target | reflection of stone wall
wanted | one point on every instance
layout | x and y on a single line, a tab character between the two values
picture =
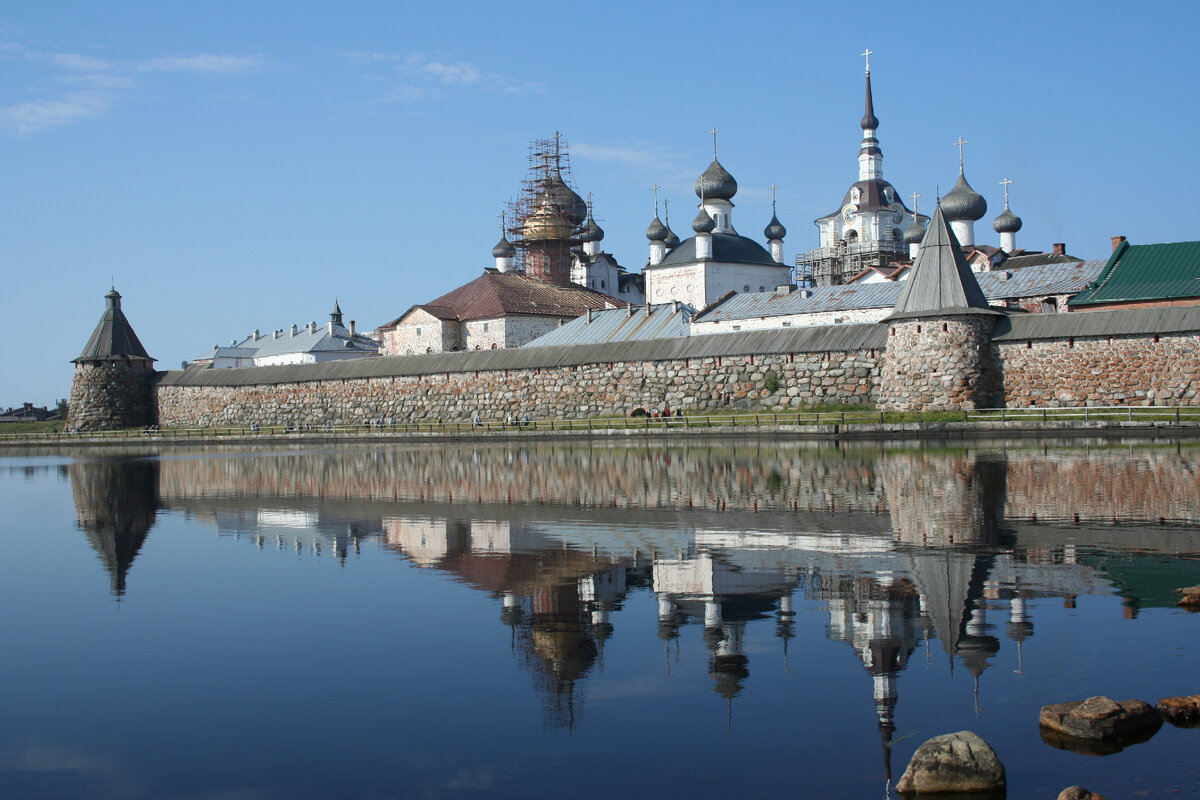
1101	485
749	477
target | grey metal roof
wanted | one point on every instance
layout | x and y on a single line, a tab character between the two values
664	321
1114	322
851	296
729	248
781	340
1042	279
940	281
308	340
113	336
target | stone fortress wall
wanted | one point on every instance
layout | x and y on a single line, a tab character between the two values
1093	358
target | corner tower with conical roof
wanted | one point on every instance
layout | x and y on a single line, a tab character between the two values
867	229
112	387
938	354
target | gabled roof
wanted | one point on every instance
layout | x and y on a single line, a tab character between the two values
1023	259
113	336
1042	279
941	282
666	321
506	294
1146	272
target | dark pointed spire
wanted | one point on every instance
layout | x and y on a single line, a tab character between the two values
869	122
941	282
113	336
335	316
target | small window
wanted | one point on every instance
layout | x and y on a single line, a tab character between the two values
602	284
418	331
485	326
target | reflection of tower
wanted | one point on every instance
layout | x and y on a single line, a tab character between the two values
879	620
1019	627
945	500
602	591
728	665
562	651
977	646
116	504
784	624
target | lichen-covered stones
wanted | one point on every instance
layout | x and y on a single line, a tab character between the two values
1079	793
953	762
1098	726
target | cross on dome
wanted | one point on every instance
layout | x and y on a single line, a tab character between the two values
961	141
714	133
914	197
867	55
1005	184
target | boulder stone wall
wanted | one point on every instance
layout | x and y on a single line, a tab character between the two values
781	381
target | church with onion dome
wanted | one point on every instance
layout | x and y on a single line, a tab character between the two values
716	260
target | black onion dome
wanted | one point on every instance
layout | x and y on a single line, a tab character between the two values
657	231
1007	222
703	223
672	240
564	198
591	232
963	202
503	249
914	233
715	183
774	229
869	122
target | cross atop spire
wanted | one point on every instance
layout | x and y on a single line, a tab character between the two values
914	197
773	187
867	55
714	133
655	189
1005	184
961	141
667	210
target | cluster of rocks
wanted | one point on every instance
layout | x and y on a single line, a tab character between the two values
963	763
1190	598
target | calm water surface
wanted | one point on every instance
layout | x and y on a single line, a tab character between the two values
740	619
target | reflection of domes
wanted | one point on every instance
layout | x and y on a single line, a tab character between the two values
963	203
774	229
1007	222
715	183
657	231
914	233
727	673
703	223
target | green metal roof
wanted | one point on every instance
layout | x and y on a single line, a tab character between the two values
1146	272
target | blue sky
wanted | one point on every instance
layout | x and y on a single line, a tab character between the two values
239	165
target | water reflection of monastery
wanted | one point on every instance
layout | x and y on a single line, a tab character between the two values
893	549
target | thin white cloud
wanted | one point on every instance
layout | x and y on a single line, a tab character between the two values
40	115
204	64
83	87
421	76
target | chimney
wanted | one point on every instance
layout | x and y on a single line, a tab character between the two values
1060	248
589	316
257	335
1117	242
352	326
629	310
294	329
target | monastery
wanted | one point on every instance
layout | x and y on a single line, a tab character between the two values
894	308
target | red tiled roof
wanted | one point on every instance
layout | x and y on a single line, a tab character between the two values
502	294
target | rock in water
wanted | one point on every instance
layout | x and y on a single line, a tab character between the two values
1079	793
954	762
1100	718
1182	712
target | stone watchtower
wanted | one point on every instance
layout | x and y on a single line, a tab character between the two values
113	376
938	354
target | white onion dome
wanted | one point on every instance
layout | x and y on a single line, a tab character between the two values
503	249
915	233
564	198
1007	222
657	232
547	223
715	183
774	229
591	232
963	203
703	223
